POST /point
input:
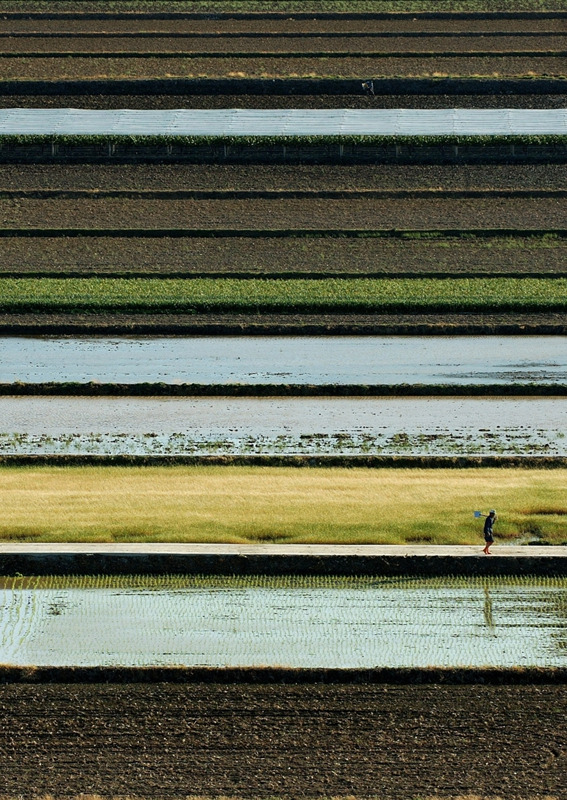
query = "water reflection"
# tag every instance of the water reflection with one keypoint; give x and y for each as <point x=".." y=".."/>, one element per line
<point x="488" y="615"/>
<point x="283" y="426"/>
<point x="296" y="622"/>
<point x="294" y="359"/>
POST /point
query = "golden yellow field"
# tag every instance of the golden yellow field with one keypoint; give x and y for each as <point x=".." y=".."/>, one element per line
<point x="280" y="504"/>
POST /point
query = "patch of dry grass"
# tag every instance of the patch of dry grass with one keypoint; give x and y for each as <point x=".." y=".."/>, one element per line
<point x="279" y="504"/>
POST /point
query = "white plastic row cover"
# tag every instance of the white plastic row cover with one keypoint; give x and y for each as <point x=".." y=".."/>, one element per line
<point x="288" y="122"/>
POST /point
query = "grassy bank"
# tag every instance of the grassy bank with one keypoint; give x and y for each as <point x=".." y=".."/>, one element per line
<point x="256" y="295"/>
<point x="274" y="504"/>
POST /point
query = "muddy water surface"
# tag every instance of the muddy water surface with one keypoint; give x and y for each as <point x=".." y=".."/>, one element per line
<point x="288" y="622"/>
<point x="284" y="426"/>
<point x="341" y="359"/>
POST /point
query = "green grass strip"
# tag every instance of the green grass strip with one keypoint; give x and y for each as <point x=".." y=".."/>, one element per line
<point x="265" y="295"/>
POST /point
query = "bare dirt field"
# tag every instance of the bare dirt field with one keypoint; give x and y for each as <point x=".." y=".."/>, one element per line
<point x="257" y="66"/>
<point x="502" y="44"/>
<point x="245" y="740"/>
<point x="320" y="255"/>
<point x="347" y="47"/>
<point x="281" y="256"/>
<point x="260" y="177"/>
<point x="356" y="212"/>
<point x="286" y="25"/>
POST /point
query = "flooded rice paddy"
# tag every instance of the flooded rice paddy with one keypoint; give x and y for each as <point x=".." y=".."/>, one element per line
<point x="284" y="621"/>
<point x="462" y="360"/>
<point x="283" y="426"/>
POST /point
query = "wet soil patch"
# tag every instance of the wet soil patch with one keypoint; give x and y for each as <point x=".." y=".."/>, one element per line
<point x="247" y="740"/>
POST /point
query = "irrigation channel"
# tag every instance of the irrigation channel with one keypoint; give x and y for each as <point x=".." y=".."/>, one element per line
<point x="466" y="360"/>
<point x="291" y="622"/>
<point x="283" y="426"/>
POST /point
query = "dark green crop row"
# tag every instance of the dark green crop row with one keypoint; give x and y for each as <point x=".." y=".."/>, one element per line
<point x="289" y="141"/>
<point x="339" y="295"/>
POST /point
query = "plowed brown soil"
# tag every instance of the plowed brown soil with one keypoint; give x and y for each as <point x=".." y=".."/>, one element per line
<point x="88" y="256"/>
<point x="299" y="176"/>
<point x="78" y="68"/>
<point x="286" y="213"/>
<point x="293" y="741"/>
<point x="272" y="255"/>
<point x="316" y="43"/>
<point x="408" y="23"/>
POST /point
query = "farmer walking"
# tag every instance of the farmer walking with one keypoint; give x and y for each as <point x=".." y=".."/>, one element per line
<point x="488" y="533"/>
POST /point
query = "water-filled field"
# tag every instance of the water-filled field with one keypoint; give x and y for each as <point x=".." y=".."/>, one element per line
<point x="464" y="360"/>
<point x="283" y="426"/>
<point x="285" y="621"/>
